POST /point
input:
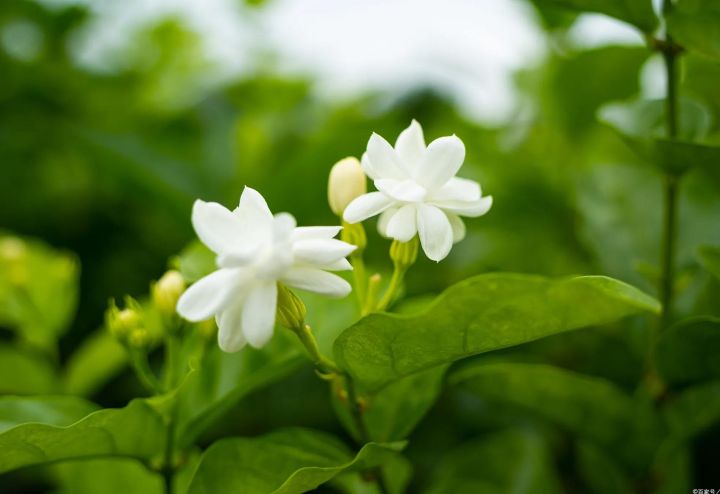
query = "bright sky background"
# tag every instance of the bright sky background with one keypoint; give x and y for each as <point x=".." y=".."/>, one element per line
<point x="469" y="47"/>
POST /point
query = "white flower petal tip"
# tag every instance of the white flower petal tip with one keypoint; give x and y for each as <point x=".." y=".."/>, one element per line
<point x="256" y="250"/>
<point x="435" y="232"/>
<point x="366" y="206"/>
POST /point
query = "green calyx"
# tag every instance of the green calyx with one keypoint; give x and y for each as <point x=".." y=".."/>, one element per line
<point x="404" y="254"/>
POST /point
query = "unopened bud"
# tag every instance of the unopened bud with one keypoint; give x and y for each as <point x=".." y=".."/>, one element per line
<point x="347" y="181"/>
<point x="139" y="338"/>
<point x="166" y="292"/>
<point x="354" y="234"/>
<point x="404" y="254"/>
<point x="13" y="253"/>
<point x="121" y="322"/>
<point x="290" y="309"/>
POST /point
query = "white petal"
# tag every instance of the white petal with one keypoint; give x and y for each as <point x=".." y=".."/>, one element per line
<point x="209" y="295"/>
<point x="217" y="227"/>
<point x="436" y="236"/>
<point x="471" y="209"/>
<point x="383" y="221"/>
<point x="366" y="206"/>
<point x="401" y="190"/>
<point x="318" y="281"/>
<point x="315" y="232"/>
<point x="258" y="317"/>
<point x="403" y="226"/>
<point x="321" y="252"/>
<point x="442" y="160"/>
<point x="368" y="168"/>
<point x="255" y="215"/>
<point x="457" y="189"/>
<point x="382" y="159"/>
<point x="458" y="227"/>
<point x="283" y="227"/>
<point x="410" y="145"/>
<point x="339" y="265"/>
<point x="230" y="336"/>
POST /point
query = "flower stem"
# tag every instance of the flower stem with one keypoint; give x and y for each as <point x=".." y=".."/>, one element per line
<point x="141" y="366"/>
<point x="172" y="347"/>
<point x="323" y="364"/>
<point x="392" y="289"/>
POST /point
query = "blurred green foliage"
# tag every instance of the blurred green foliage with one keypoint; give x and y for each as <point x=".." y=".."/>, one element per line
<point x="104" y="168"/>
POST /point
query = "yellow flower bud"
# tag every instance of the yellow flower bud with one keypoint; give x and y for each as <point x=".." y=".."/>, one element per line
<point x="166" y="292"/>
<point x="347" y="181"/>
<point x="290" y="309"/>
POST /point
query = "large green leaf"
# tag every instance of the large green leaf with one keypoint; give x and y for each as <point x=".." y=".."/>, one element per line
<point x="636" y="12"/>
<point x="286" y="461"/>
<point x="98" y="359"/>
<point x="481" y="314"/>
<point x="42" y="430"/>
<point x="589" y="407"/>
<point x="688" y="351"/>
<point x="709" y="256"/>
<point x="640" y="124"/>
<point x="510" y="461"/>
<point x="695" y="24"/>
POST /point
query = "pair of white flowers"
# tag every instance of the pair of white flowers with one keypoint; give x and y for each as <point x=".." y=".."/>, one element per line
<point x="418" y="194"/>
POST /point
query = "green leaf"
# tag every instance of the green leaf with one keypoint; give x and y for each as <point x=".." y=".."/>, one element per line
<point x="481" y="314"/>
<point x="514" y="461"/>
<point x="393" y="412"/>
<point x="23" y="372"/>
<point x="107" y="476"/>
<point x="591" y="408"/>
<point x="600" y="472"/>
<point x="688" y="351"/>
<point x="640" y="124"/>
<point x="709" y="256"/>
<point x="639" y="13"/>
<point x="195" y="261"/>
<point x="286" y="461"/>
<point x="99" y="358"/>
<point x="693" y="411"/>
<point x="65" y="432"/>
<point x="695" y="24"/>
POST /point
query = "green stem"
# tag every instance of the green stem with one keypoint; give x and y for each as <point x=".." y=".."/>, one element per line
<point x="323" y="364"/>
<point x="392" y="289"/>
<point x="172" y="347"/>
<point x="141" y="366"/>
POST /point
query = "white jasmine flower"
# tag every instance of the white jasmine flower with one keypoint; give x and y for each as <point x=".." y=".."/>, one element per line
<point x="418" y="192"/>
<point x="256" y="250"/>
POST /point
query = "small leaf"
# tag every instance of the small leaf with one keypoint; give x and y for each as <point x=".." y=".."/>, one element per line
<point x="510" y="461"/>
<point x="478" y="315"/>
<point x="639" y="13"/>
<point x="23" y="372"/>
<point x="99" y="358"/>
<point x="590" y="408"/>
<point x="63" y="431"/>
<point x="287" y="461"/>
<point x="393" y="412"/>
<point x="640" y="124"/>
<point x="695" y="24"/>
<point x="693" y="411"/>
<point x="687" y="352"/>
<point x="709" y="256"/>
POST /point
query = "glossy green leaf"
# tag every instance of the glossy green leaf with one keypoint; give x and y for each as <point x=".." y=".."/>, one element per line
<point x="515" y="461"/>
<point x="286" y="461"/>
<point x="481" y="314"/>
<point x="589" y="407"/>
<point x="43" y="430"/>
<point x="695" y="24"/>
<point x="107" y="476"/>
<point x="688" y="351"/>
<point x="636" y="12"/>
<point x="640" y="123"/>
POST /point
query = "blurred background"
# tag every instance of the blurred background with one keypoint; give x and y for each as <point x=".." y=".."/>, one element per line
<point x="116" y="114"/>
